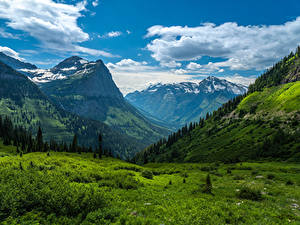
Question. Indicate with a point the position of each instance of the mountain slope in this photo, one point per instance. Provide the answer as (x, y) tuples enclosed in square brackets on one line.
[(14, 63), (27, 106), (184, 102), (264, 124), (87, 89)]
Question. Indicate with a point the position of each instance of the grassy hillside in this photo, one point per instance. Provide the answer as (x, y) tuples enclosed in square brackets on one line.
[(264, 125), (284, 98), (66, 188)]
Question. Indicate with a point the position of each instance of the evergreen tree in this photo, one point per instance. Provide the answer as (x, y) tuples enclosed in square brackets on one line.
[(100, 146), (39, 140), (74, 146)]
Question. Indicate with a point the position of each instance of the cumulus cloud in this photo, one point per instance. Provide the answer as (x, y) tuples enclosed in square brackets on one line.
[(211, 67), (10, 52), (242, 47), (53, 24), (193, 66)]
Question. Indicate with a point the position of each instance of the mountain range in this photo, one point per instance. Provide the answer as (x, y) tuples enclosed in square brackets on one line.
[(181, 103)]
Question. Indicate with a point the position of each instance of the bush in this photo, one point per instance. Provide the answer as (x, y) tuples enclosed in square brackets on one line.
[(208, 186), (250, 193), (238, 177), (255, 172), (147, 174), (289, 182), (48, 194), (270, 176)]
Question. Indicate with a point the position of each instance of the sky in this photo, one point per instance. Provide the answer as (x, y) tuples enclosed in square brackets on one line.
[(146, 42)]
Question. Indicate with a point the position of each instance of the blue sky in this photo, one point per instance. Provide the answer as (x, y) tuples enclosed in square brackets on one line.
[(145, 42)]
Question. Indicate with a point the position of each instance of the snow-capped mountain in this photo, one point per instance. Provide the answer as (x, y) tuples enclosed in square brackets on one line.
[(70, 66), (179, 103)]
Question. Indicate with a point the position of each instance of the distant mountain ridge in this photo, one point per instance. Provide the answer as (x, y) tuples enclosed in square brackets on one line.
[(15, 63), (180, 103)]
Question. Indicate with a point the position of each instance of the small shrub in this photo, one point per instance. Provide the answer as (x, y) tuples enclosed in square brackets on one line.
[(229, 171), (185, 175), (238, 177), (255, 172), (216, 174), (270, 176), (208, 186), (147, 174), (289, 182), (245, 168), (170, 182), (249, 193), (184, 181), (21, 167)]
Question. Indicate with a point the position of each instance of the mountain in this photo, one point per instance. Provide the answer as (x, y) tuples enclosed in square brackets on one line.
[(29, 107), (184, 102), (15, 63), (260, 125), (88, 90)]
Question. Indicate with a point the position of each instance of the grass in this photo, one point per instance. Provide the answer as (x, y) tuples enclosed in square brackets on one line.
[(284, 97), (63, 188)]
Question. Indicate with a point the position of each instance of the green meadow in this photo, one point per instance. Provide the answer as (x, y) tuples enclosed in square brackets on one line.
[(72, 188)]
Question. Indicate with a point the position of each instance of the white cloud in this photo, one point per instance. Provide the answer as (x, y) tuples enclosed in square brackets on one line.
[(53, 24), (6, 34), (193, 66), (95, 3), (8, 51), (111, 34), (242, 47), (114, 34), (170, 64), (131, 75), (238, 79), (128, 31)]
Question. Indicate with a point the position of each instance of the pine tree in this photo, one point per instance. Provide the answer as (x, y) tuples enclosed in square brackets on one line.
[(74, 146), (39, 140), (100, 146)]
